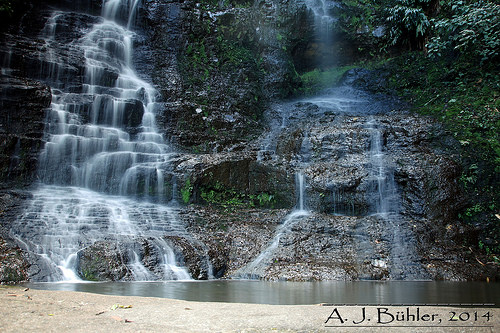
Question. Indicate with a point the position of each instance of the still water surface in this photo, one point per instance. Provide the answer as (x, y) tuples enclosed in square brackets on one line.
[(284, 293)]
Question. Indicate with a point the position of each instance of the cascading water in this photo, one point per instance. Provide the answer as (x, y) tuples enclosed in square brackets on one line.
[(102, 169), (382, 202), (402, 261), (383, 195), (323, 20), (255, 269)]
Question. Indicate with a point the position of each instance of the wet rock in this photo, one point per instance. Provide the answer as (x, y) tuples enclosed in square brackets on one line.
[(23, 104), (232, 237), (115, 261), (211, 79), (375, 81), (217, 68), (202, 261), (319, 247), (235, 175), (332, 148), (14, 263), (55, 60), (101, 261)]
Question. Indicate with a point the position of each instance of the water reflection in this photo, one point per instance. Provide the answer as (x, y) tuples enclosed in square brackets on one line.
[(284, 293)]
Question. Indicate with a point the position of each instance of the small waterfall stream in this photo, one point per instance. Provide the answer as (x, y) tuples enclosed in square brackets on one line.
[(383, 192), (102, 169), (255, 269), (323, 20), (402, 260), (382, 198)]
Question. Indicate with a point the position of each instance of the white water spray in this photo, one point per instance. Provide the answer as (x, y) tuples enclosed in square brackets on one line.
[(256, 268), (103, 151)]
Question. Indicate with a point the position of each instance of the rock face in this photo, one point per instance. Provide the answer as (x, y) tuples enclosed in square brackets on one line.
[(348, 236), (375, 186), (217, 65), (23, 105), (14, 264)]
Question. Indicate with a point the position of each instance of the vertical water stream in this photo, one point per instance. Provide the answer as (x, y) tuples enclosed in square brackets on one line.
[(323, 21), (402, 260), (382, 198), (102, 169), (256, 268)]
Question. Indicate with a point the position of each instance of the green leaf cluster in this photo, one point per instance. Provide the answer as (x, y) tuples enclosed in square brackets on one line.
[(464, 95), (6, 7), (186, 191), (409, 22), (222, 48), (471, 28), (357, 20), (316, 80), (230, 198)]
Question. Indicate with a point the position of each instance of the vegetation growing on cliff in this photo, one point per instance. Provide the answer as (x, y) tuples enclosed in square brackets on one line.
[(222, 75), (317, 80), (5, 6), (456, 80), (220, 47), (465, 97), (442, 57)]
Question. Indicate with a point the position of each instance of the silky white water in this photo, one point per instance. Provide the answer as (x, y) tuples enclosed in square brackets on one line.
[(323, 21), (402, 259), (256, 268), (102, 168)]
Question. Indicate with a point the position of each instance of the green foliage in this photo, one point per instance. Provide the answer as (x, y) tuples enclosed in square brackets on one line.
[(490, 252), (230, 198), (186, 191), (357, 19), (220, 47), (469, 178), (222, 54), (234, 54), (6, 7), (221, 196), (465, 96), (317, 80), (408, 22), (88, 275), (473, 29), (199, 62), (357, 15), (265, 199), (262, 200)]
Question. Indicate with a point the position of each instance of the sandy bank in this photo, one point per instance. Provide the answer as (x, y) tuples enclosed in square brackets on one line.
[(62, 311)]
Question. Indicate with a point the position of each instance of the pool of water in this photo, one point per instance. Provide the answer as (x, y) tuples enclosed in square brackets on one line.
[(290, 293)]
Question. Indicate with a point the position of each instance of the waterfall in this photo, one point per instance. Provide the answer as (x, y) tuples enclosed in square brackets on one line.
[(256, 268), (383, 195), (322, 20), (323, 25), (383, 237), (102, 169), (402, 261), (300, 184)]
